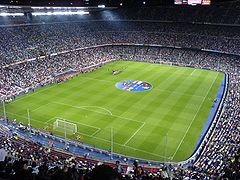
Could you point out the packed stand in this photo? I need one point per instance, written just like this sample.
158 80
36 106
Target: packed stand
32 41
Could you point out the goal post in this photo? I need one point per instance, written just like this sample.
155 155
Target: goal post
62 125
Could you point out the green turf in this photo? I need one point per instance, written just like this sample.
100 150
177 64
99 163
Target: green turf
177 105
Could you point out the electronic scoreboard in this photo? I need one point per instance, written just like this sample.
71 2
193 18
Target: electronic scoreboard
193 2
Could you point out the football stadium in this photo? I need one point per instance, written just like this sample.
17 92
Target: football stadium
120 90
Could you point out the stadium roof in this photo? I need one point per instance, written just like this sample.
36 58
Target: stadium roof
87 3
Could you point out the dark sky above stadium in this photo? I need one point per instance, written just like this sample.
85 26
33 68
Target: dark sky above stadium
93 2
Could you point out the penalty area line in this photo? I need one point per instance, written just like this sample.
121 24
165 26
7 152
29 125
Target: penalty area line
134 134
84 107
39 107
99 108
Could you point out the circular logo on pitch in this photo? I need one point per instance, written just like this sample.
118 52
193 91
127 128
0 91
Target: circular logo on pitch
133 85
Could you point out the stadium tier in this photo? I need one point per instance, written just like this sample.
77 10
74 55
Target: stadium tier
134 98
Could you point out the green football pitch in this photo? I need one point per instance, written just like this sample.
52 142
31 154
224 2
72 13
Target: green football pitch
160 124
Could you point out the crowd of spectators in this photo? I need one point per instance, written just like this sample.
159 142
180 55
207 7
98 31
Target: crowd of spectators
31 41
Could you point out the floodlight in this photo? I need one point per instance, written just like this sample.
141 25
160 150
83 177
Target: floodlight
11 14
101 6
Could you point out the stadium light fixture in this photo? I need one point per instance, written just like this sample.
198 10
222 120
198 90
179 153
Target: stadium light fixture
60 13
11 14
58 7
101 6
37 7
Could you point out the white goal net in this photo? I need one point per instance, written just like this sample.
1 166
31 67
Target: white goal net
61 125
166 62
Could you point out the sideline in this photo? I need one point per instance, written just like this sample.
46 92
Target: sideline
199 108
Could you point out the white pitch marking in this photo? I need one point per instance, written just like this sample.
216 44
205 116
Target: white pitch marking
39 107
85 107
50 120
175 92
93 134
134 134
39 91
193 118
81 107
192 72
25 117
102 80
124 145
99 108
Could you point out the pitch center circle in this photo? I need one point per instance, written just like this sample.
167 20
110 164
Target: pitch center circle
133 85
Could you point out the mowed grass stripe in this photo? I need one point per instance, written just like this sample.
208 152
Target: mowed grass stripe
169 107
